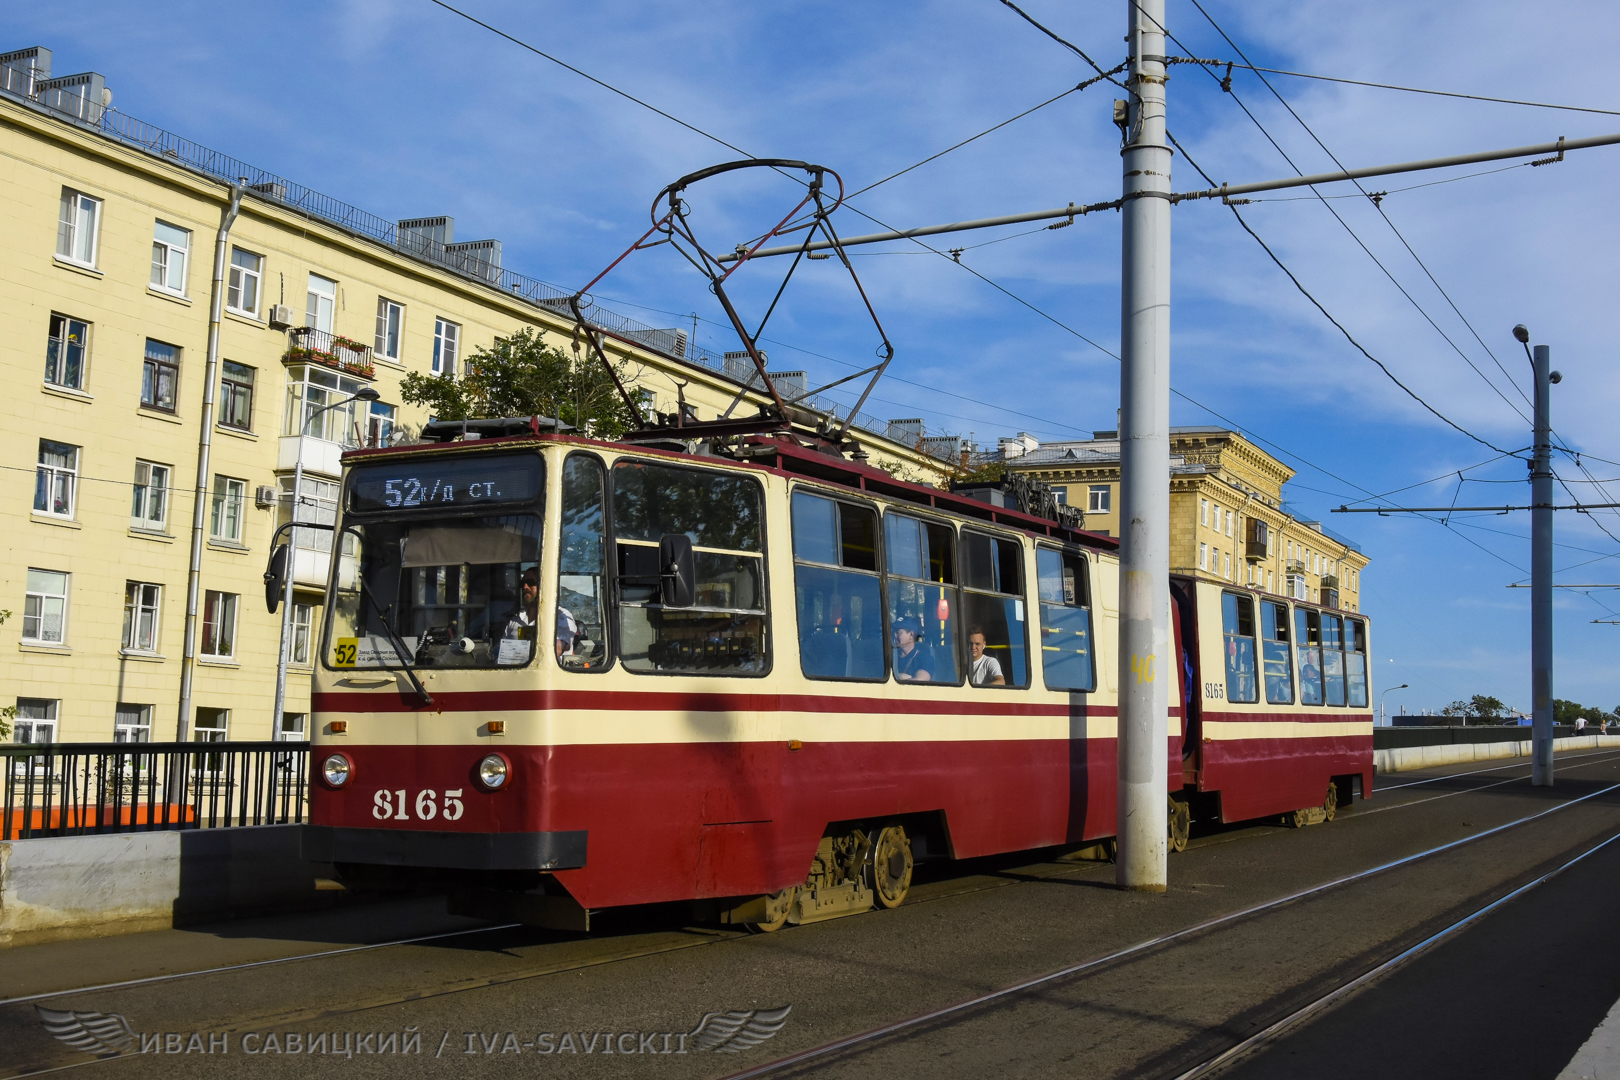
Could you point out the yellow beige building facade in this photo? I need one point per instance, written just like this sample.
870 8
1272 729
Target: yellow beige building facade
1228 520
106 298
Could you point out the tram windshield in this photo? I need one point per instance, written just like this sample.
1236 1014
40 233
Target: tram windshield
439 592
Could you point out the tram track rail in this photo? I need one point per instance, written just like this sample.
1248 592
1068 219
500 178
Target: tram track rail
968 886
1280 1027
272 1018
1157 942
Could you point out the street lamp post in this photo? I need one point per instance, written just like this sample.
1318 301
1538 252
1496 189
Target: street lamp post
367 394
1383 715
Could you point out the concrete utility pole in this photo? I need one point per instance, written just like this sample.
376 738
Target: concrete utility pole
1147 670
1541 578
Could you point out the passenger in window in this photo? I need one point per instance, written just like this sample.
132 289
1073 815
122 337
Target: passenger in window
982 670
913 661
1309 673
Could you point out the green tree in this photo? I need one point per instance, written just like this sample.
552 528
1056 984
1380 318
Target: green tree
1489 710
1567 712
1459 711
522 376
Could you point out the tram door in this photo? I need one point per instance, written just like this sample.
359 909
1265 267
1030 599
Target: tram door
1185 605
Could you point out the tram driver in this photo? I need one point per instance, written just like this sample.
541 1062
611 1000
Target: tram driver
913 661
522 622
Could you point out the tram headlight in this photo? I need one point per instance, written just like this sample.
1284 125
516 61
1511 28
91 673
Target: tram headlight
337 769
494 771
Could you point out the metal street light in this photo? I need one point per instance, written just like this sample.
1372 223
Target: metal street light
365 393
1383 716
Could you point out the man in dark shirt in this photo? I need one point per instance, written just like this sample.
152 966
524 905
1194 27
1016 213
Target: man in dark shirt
913 661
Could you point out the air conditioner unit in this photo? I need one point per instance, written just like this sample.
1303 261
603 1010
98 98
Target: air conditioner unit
264 497
281 316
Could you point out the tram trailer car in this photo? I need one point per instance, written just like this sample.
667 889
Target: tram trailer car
560 675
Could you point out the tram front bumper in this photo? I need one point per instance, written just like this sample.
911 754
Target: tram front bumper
447 850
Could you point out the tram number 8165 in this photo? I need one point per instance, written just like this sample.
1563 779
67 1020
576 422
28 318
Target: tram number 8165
391 805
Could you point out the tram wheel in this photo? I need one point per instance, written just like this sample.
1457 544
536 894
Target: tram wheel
891 866
1180 823
1330 804
777 908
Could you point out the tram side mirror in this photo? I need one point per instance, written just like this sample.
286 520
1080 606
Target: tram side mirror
678 574
275 578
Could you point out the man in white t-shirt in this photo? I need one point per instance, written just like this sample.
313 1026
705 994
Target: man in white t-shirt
982 670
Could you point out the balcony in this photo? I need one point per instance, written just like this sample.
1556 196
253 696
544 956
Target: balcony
1296 567
1330 581
307 345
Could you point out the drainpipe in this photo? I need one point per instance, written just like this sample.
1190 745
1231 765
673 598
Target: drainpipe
205 444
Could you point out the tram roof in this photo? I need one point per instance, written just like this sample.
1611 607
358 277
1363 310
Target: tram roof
786 457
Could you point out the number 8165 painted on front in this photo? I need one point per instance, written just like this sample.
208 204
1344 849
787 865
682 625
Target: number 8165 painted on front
384 808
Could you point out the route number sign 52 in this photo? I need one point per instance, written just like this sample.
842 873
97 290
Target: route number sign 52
391 805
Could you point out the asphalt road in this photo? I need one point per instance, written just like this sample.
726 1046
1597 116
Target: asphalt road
1512 996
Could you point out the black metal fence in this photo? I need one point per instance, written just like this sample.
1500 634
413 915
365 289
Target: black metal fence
70 789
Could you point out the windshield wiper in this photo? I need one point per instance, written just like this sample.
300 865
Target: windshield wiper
398 645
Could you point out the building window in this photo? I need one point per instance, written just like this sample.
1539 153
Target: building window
76 227
219 624
211 726
36 720
390 322
151 504
1229 517
141 603
446 344
45 608
380 425
242 293
64 352
1203 511
169 248
1060 495
1099 500
292 728
236 396
57 480
1226 558
225 520
303 620
309 390
160 377
322 303
132 723
1203 556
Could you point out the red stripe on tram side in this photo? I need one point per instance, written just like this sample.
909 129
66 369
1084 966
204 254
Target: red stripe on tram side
668 701
676 821
1259 777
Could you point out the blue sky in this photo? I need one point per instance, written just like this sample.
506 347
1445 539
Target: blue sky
404 109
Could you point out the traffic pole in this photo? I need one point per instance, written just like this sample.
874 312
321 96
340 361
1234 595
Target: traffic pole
1147 670
1541 578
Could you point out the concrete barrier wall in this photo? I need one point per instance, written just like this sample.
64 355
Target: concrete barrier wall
95 886
1422 757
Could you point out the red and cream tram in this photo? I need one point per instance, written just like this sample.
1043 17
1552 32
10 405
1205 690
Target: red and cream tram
561 675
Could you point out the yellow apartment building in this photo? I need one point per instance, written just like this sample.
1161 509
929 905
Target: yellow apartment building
112 231
1227 516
